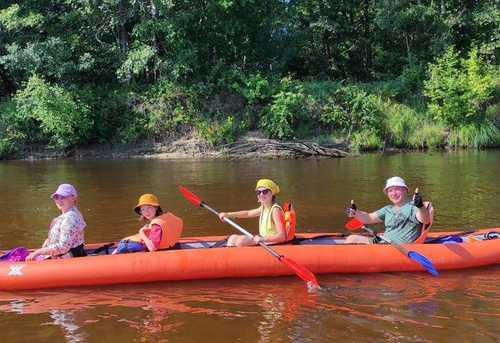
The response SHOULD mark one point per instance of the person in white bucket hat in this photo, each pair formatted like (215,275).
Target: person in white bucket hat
(403,219)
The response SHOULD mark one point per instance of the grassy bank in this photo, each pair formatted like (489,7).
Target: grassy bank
(456,106)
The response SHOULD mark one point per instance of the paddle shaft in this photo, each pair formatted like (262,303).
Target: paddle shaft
(243,231)
(395,245)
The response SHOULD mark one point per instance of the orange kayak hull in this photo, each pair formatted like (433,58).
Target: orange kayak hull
(223,262)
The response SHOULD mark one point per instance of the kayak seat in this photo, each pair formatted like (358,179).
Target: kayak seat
(326,239)
(102,250)
(198,245)
(426,227)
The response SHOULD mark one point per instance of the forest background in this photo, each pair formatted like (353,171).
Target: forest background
(366,73)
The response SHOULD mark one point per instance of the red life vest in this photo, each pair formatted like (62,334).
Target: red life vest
(171,230)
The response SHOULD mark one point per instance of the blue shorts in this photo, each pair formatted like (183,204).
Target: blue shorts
(127,246)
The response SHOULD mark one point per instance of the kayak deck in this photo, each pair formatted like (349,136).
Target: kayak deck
(307,239)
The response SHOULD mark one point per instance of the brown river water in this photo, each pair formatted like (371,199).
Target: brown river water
(458,306)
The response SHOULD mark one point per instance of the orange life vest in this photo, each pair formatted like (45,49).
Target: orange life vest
(290,220)
(171,230)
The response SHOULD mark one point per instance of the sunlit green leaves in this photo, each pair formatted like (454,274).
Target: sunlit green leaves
(459,89)
(64,120)
(137,62)
(12,18)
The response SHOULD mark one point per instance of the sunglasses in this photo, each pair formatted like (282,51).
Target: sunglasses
(59,197)
(262,191)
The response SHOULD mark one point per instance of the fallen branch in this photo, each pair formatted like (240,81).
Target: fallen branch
(268,147)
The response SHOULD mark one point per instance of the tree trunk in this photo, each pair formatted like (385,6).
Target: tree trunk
(123,35)
(8,86)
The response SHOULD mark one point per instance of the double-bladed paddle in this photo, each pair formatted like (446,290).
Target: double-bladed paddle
(301,271)
(355,224)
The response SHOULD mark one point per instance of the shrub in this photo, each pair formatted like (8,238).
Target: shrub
(459,89)
(7,148)
(287,111)
(366,140)
(64,120)
(255,88)
(109,107)
(218,132)
(426,135)
(402,122)
(351,109)
(405,88)
(138,59)
(133,131)
(170,108)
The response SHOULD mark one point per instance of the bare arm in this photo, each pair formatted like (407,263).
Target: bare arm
(241,214)
(367,218)
(144,233)
(69,228)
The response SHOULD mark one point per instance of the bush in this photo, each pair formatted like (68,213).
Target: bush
(64,120)
(287,111)
(426,135)
(351,109)
(402,122)
(7,148)
(138,59)
(405,88)
(459,90)
(366,140)
(219,132)
(255,88)
(109,107)
(170,108)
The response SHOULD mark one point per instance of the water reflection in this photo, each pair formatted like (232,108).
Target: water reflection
(271,309)
(384,307)
(66,320)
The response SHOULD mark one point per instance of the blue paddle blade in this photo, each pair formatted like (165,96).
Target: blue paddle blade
(424,262)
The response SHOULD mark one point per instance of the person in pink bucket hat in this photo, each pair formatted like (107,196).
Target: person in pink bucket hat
(66,232)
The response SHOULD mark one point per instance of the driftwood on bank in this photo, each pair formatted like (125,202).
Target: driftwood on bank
(273,148)
(249,147)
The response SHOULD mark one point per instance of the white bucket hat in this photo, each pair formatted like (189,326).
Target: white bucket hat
(395,181)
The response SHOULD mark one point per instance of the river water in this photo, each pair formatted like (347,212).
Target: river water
(395,307)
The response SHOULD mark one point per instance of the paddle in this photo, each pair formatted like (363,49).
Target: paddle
(355,224)
(301,271)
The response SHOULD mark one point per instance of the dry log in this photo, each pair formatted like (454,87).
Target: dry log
(268,147)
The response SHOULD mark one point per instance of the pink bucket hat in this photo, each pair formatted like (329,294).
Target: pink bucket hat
(65,190)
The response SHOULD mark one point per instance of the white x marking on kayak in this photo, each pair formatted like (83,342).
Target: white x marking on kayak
(15,270)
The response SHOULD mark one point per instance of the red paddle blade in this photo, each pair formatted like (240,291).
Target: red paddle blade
(353,225)
(304,273)
(190,196)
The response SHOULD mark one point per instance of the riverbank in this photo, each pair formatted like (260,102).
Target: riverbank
(253,145)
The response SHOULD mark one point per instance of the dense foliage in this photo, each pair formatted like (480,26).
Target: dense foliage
(416,74)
